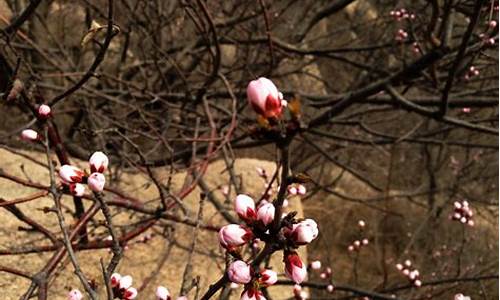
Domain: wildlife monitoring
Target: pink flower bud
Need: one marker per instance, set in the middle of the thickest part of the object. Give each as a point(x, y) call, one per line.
point(470, 223)
point(316, 265)
point(323, 275)
point(98, 162)
point(115, 279)
point(292, 190)
point(130, 294)
point(305, 232)
point(268, 277)
point(399, 267)
point(297, 289)
point(71, 174)
point(408, 263)
point(252, 294)
point(234, 285)
point(96, 182)
point(301, 189)
point(365, 242)
point(44, 111)
point(350, 248)
point(239, 272)
point(493, 24)
point(125, 282)
point(265, 213)
point(330, 288)
point(234, 235)
point(245, 207)
point(263, 96)
point(77, 189)
point(418, 283)
point(75, 295)
point(295, 269)
point(29, 135)
point(162, 293)
point(357, 243)
point(361, 223)
point(406, 272)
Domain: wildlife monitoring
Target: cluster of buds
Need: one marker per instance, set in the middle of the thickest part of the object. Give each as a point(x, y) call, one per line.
point(265, 98)
point(325, 274)
point(416, 48)
point(259, 220)
point(401, 35)
point(357, 244)
point(411, 273)
point(471, 73)
point(462, 213)
point(75, 294)
point(297, 189)
point(401, 14)
point(74, 178)
point(122, 287)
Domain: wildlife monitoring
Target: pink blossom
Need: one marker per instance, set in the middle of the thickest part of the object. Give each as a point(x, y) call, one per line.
point(162, 293)
point(125, 282)
point(268, 277)
point(130, 293)
point(71, 174)
point(239, 272)
point(96, 182)
point(295, 269)
point(29, 135)
point(304, 232)
point(77, 189)
point(301, 189)
point(44, 111)
point(98, 162)
point(361, 223)
point(75, 295)
point(330, 288)
point(252, 294)
point(264, 98)
point(265, 213)
point(234, 235)
point(115, 279)
point(245, 207)
point(316, 265)
point(492, 24)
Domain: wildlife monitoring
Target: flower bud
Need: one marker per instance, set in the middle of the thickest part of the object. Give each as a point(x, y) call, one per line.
point(29, 135)
point(316, 265)
point(115, 279)
point(239, 272)
point(330, 288)
point(77, 189)
point(252, 294)
point(71, 174)
point(301, 189)
point(96, 182)
point(75, 295)
point(245, 207)
point(234, 235)
point(264, 98)
point(268, 277)
point(305, 232)
point(162, 293)
point(130, 294)
point(125, 282)
point(295, 269)
point(265, 213)
point(98, 162)
point(44, 111)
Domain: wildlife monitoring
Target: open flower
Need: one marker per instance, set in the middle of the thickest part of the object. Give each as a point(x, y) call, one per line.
point(245, 207)
point(264, 97)
point(71, 174)
point(295, 269)
point(98, 162)
point(96, 182)
point(239, 272)
point(234, 235)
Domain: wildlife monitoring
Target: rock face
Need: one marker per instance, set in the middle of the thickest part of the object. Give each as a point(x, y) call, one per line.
point(141, 260)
